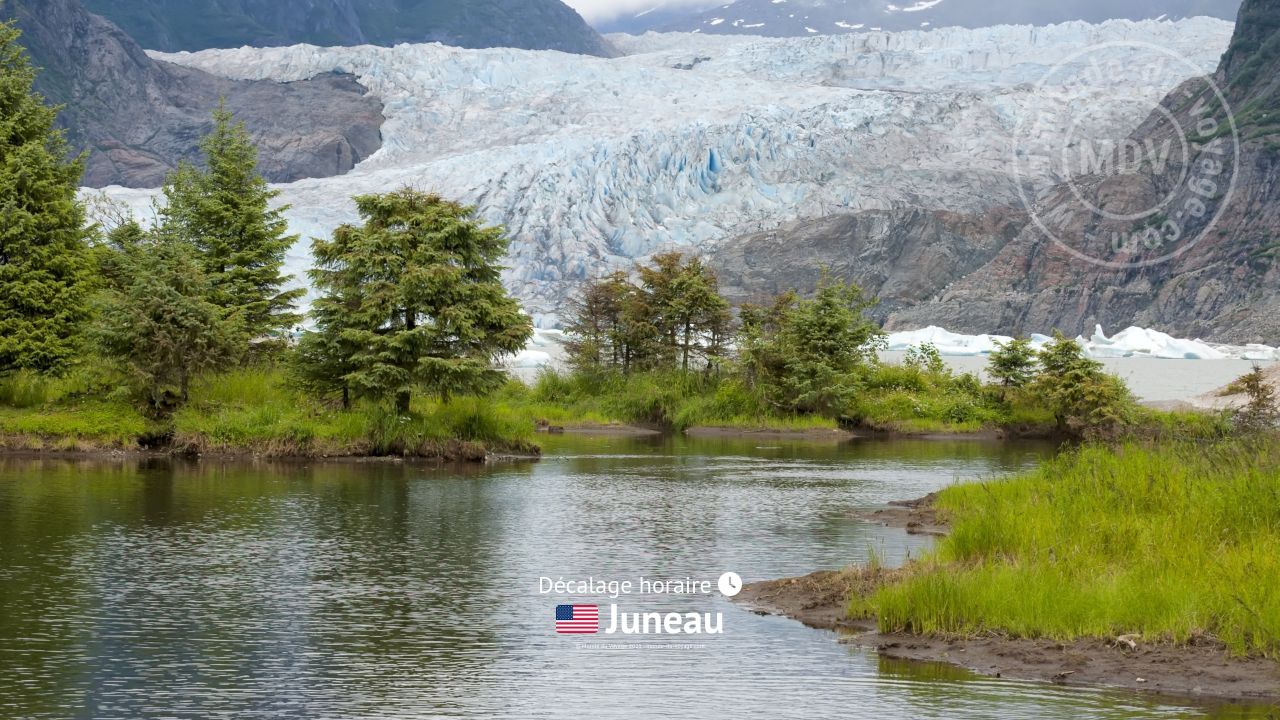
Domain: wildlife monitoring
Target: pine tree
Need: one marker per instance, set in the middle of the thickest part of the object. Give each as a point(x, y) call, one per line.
point(427, 306)
point(325, 355)
point(1085, 400)
point(159, 324)
point(43, 251)
point(686, 308)
point(806, 354)
point(224, 211)
point(1260, 411)
point(1013, 364)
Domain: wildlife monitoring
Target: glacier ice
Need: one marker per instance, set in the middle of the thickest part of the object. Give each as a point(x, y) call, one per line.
point(593, 164)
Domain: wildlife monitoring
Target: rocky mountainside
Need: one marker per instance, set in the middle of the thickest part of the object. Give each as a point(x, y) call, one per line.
point(898, 256)
point(798, 18)
point(173, 25)
point(1191, 246)
point(138, 117)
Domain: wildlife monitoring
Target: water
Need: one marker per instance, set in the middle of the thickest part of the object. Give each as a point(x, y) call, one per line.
point(136, 589)
point(1152, 380)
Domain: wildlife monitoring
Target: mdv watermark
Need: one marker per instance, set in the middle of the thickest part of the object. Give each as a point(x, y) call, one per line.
point(1140, 200)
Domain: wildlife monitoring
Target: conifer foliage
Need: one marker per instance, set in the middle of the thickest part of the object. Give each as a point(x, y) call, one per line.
point(43, 251)
point(412, 299)
point(224, 211)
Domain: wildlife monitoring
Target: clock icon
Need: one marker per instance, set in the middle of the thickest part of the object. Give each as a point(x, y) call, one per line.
point(730, 584)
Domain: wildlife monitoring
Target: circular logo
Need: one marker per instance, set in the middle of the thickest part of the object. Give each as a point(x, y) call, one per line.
point(1141, 200)
point(730, 584)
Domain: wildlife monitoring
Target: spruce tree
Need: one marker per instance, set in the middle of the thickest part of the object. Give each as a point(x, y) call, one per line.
point(685, 306)
point(325, 355)
point(1013, 364)
point(421, 295)
point(156, 321)
point(224, 211)
point(43, 251)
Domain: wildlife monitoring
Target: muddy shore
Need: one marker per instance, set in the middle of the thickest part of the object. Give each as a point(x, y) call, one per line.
point(1202, 669)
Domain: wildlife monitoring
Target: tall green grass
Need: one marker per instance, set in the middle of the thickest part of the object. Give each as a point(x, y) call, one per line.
point(673, 400)
point(251, 410)
point(256, 408)
point(1171, 542)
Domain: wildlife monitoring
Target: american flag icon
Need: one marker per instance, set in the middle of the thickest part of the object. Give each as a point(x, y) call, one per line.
point(577, 619)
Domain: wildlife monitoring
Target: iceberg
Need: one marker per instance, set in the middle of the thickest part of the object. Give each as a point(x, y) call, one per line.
point(1128, 343)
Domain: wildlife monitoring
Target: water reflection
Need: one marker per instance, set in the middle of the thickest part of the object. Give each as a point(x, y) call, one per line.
point(371, 590)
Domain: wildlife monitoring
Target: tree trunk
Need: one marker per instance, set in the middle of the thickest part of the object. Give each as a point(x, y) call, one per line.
point(402, 397)
point(346, 398)
point(684, 363)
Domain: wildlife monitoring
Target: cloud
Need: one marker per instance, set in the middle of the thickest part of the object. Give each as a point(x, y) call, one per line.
point(598, 10)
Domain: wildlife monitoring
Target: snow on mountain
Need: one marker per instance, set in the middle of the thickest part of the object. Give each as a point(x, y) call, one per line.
point(799, 18)
point(594, 163)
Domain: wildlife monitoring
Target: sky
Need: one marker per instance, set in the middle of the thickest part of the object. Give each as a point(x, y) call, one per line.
point(597, 10)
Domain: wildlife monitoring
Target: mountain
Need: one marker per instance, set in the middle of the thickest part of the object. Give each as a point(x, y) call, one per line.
point(658, 15)
point(174, 25)
point(692, 140)
point(898, 256)
point(138, 117)
point(1190, 246)
point(799, 18)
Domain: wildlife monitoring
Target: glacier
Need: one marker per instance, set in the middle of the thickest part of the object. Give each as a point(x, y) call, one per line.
point(594, 164)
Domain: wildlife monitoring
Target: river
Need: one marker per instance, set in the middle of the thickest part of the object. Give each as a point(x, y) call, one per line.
point(158, 589)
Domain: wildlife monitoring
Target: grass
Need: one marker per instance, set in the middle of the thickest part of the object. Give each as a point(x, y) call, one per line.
point(253, 411)
point(670, 400)
point(1171, 542)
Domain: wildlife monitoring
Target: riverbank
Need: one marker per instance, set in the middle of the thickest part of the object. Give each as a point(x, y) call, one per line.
point(1201, 669)
point(255, 413)
point(1096, 569)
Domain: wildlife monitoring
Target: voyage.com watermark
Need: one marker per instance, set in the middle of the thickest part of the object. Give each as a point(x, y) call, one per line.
point(1187, 142)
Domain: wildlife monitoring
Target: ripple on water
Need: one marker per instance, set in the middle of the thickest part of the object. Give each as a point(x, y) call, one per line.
point(354, 591)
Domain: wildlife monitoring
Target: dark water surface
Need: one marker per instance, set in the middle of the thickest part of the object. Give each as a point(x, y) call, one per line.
point(140, 589)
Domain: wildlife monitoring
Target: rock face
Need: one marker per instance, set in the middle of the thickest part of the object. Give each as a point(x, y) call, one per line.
point(138, 117)
point(801, 18)
point(898, 256)
point(1190, 247)
point(174, 25)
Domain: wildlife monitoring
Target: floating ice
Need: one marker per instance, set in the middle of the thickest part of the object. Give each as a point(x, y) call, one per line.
point(1131, 342)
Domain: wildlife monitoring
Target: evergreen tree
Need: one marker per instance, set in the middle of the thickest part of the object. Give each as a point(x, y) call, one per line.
point(686, 309)
point(325, 356)
point(1085, 400)
point(614, 325)
point(1260, 411)
point(427, 306)
point(159, 324)
point(1013, 364)
point(807, 354)
point(594, 330)
point(224, 211)
point(43, 252)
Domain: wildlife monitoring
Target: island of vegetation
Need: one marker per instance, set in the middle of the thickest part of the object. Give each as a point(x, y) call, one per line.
point(1151, 564)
